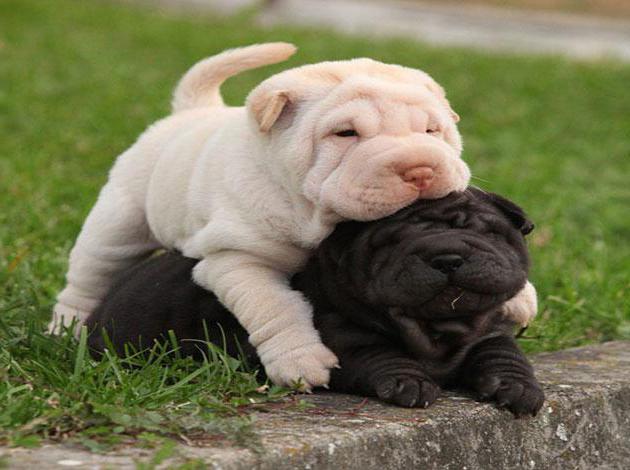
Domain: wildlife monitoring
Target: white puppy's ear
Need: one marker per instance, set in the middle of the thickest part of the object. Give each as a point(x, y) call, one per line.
point(267, 107)
point(438, 91)
point(454, 115)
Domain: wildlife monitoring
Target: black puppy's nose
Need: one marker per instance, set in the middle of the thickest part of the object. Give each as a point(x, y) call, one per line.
point(446, 263)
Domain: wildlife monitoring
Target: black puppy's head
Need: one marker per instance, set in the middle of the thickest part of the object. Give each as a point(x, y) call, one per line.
point(436, 259)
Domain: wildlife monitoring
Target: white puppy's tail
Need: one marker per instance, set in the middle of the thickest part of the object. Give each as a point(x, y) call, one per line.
point(200, 85)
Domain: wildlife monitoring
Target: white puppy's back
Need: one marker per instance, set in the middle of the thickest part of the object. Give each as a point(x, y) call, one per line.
point(117, 232)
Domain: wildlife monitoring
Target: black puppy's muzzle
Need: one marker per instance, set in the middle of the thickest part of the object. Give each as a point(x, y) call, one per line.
point(455, 269)
point(446, 263)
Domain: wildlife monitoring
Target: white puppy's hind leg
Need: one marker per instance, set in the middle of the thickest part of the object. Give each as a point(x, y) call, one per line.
point(114, 236)
point(278, 319)
point(523, 307)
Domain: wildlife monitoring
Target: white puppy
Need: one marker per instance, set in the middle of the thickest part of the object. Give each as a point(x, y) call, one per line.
point(251, 190)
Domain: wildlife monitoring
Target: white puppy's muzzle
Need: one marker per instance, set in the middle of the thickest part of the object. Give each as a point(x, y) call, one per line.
point(421, 177)
point(433, 168)
point(383, 175)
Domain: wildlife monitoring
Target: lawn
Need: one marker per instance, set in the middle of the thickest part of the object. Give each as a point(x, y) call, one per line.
point(79, 82)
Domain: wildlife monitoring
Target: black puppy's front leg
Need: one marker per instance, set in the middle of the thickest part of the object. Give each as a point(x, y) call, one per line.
point(373, 366)
point(397, 379)
point(497, 370)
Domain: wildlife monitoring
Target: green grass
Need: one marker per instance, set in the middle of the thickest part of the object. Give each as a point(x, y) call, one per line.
point(80, 80)
point(51, 389)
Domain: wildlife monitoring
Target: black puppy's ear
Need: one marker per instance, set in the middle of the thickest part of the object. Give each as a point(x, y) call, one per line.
point(516, 215)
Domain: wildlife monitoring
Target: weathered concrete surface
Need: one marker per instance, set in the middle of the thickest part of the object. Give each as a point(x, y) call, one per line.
point(484, 27)
point(585, 423)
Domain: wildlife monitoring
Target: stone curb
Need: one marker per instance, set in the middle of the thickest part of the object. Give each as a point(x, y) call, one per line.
point(585, 423)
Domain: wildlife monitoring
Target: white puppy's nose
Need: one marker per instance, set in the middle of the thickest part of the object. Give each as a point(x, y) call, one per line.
point(420, 176)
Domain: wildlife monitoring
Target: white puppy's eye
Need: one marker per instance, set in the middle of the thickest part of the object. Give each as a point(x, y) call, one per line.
point(347, 133)
point(433, 130)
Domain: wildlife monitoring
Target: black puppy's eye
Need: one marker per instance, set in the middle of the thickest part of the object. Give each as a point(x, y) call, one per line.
point(347, 133)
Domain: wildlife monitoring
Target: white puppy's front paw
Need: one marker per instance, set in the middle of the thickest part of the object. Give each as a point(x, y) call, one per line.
point(308, 366)
point(523, 307)
point(63, 316)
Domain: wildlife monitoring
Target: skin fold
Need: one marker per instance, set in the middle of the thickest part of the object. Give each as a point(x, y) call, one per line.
point(410, 304)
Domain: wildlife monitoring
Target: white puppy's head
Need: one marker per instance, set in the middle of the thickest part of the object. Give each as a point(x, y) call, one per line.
point(359, 138)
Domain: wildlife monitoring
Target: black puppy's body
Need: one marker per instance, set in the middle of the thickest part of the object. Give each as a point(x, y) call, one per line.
point(157, 296)
point(409, 304)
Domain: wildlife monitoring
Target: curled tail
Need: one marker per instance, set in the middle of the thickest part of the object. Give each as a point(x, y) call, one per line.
point(200, 85)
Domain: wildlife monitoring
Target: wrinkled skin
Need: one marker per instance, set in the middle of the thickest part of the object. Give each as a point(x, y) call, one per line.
point(410, 304)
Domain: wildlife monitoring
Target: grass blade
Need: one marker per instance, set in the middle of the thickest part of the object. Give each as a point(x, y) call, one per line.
point(79, 362)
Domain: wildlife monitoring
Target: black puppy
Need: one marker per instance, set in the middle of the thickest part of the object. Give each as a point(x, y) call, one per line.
point(409, 304)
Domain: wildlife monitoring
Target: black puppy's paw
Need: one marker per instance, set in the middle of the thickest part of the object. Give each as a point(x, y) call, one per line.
point(522, 396)
point(407, 391)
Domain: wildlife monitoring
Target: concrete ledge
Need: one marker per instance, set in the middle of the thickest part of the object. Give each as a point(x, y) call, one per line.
point(585, 423)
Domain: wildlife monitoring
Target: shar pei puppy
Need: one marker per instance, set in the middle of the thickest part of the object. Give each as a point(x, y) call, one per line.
point(409, 304)
point(251, 191)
